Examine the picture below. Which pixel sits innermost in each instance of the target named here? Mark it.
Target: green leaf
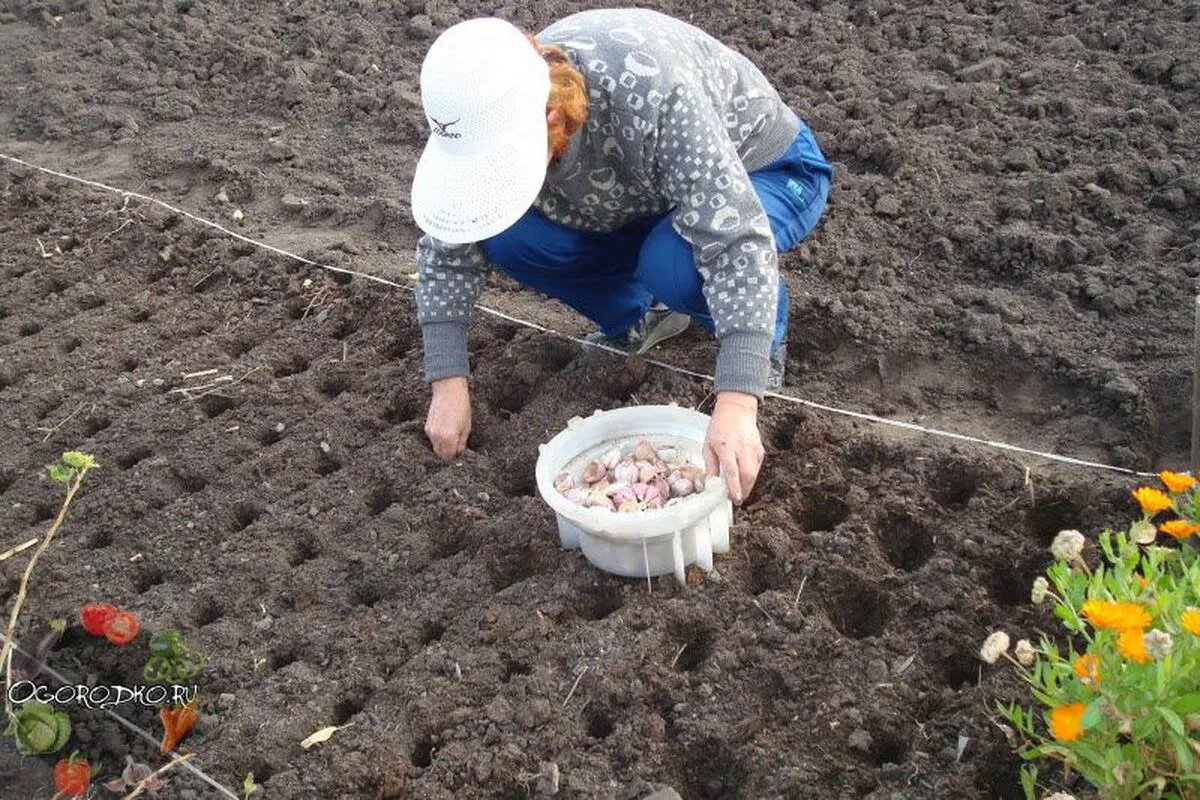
(61, 473)
(1188, 704)
(1029, 782)
(78, 460)
(1173, 720)
(1092, 715)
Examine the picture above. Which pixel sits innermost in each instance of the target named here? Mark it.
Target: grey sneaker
(778, 367)
(659, 324)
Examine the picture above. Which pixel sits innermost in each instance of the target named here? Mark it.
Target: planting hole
(334, 386)
(379, 499)
(344, 710)
(599, 724)
(293, 365)
(954, 485)
(29, 328)
(422, 752)
(147, 578)
(513, 667)
(270, 435)
(327, 463)
(214, 405)
(432, 632)
(7, 476)
(189, 482)
(696, 649)
(1010, 584)
(44, 511)
(93, 425)
(70, 344)
(599, 602)
(283, 658)
(400, 410)
(713, 771)
(365, 594)
(822, 512)
(133, 457)
(99, 539)
(1050, 516)
(305, 549)
(961, 671)
(906, 542)
(90, 301)
(129, 363)
(245, 512)
(856, 608)
(206, 612)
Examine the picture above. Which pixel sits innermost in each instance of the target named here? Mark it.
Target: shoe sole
(673, 325)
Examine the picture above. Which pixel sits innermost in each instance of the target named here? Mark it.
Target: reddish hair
(568, 96)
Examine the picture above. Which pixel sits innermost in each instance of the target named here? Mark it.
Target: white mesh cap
(484, 89)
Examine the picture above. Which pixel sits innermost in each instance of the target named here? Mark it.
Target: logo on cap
(443, 128)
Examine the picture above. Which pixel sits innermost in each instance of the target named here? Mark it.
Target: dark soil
(1010, 251)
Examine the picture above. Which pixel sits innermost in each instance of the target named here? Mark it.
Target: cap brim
(463, 199)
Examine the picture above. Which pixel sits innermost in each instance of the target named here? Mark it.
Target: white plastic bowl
(646, 543)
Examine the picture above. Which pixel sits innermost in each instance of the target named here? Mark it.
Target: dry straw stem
(6, 651)
(21, 548)
(141, 785)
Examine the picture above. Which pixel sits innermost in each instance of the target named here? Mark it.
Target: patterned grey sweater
(676, 121)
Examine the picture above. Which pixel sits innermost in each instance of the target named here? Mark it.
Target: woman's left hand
(732, 446)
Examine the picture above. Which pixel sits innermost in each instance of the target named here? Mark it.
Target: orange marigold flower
(1176, 481)
(1151, 500)
(1190, 620)
(1066, 722)
(1087, 667)
(1179, 528)
(1116, 616)
(1132, 644)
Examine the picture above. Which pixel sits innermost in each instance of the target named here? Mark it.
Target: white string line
(140, 731)
(894, 423)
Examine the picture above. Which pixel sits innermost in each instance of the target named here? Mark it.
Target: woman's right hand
(449, 422)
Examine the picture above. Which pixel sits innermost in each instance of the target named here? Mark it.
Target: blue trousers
(613, 278)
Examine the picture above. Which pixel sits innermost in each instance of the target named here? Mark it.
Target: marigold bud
(1067, 545)
(1157, 643)
(1025, 653)
(1041, 587)
(994, 646)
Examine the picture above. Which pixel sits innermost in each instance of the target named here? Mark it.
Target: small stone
(988, 69)
(421, 27)
(1030, 77)
(548, 775)
(276, 150)
(888, 205)
(1021, 159)
(499, 711)
(237, 215)
(222, 196)
(226, 699)
(664, 793)
(877, 670)
(292, 202)
(862, 740)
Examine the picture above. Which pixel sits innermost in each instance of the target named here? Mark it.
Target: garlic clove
(681, 487)
(644, 451)
(652, 494)
(629, 506)
(647, 471)
(598, 500)
(615, 487)
(564, 482)
(624, 495)
(639, 490)
(611, 458)
(664, 488)
(657, 502)
(625, 472)
(575, 495)
(602, 485)
(668, 454)
(593, 472)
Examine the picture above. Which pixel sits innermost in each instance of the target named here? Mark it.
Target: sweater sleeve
(698, 169)
(450, 280)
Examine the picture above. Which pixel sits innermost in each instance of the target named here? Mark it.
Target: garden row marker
(143, 733)
(894, 423)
